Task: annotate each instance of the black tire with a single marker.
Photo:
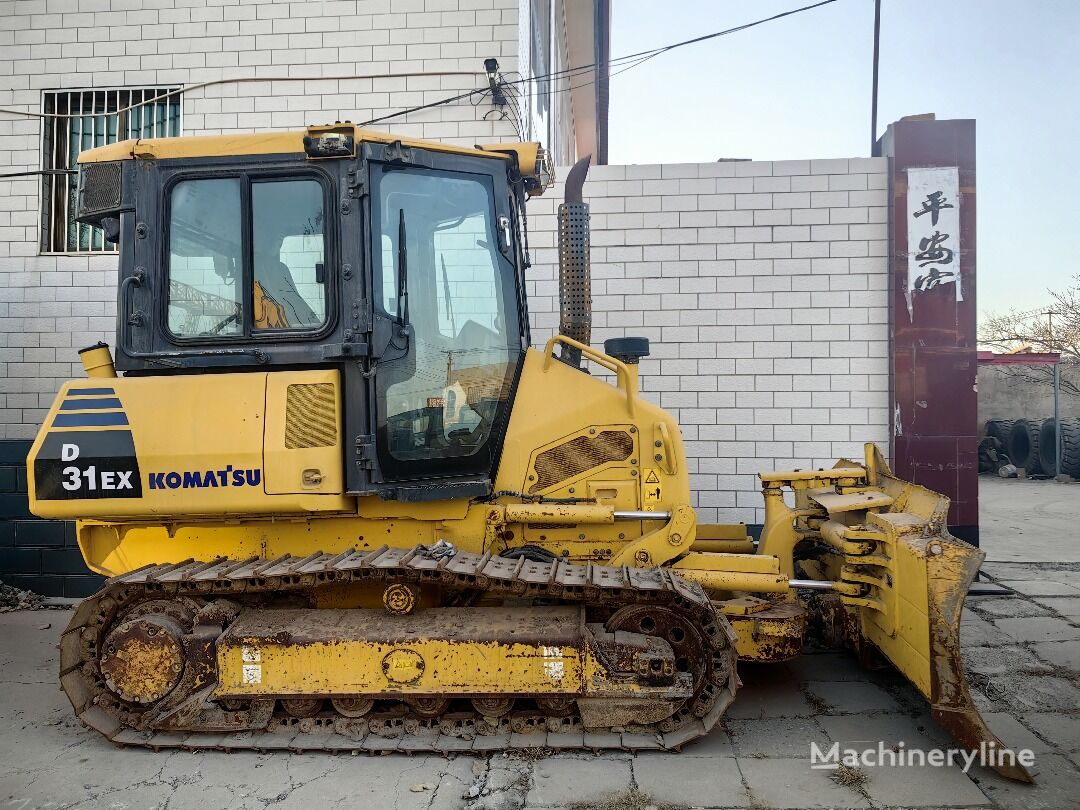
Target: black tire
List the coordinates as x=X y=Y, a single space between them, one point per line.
x=1024 y=445
x=1000 y=429
x=1070 y=447
x=1048 y=446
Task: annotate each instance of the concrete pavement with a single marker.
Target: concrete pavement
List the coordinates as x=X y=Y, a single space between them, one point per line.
x=1022 y=652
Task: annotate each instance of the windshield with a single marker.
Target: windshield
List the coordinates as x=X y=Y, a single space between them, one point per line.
x=443 y=399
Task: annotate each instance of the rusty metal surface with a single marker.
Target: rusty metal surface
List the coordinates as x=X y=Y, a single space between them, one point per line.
x=189 y=719
x=952 y=706
x=143 y=658
x=551 y=625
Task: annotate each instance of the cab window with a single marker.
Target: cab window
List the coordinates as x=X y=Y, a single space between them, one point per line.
x=220 y=286
x=205 y=258
x=288 y=255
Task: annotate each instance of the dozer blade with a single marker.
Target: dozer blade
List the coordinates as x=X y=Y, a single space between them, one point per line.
x=913 y=595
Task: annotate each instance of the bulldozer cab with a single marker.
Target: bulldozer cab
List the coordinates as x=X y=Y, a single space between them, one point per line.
x=397 y=263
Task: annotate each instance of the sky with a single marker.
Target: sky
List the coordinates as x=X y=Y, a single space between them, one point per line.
x=800 y=88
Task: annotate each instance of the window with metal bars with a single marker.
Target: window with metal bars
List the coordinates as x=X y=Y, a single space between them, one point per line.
x=82 y=119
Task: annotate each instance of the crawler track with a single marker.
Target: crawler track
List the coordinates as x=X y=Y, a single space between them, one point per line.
x=190 y=720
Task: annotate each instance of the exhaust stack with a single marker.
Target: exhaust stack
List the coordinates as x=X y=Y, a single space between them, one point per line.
x=575 y=278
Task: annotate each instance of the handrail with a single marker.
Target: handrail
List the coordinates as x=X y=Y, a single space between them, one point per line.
x=623 y=374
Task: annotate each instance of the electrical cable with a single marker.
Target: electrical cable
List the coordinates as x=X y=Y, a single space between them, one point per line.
x=626 y=62
x=652 y=52
x=37 y=172
x=242 y=80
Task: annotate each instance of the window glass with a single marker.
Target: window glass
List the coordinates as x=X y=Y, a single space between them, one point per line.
x=444 y=398
x=288 y=252
x=205 y=258
x=466 y=288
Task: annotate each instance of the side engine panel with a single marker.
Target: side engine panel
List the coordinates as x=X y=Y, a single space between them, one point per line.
x=150 y=448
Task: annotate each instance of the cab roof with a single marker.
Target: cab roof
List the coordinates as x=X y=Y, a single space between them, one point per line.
x=285 y=142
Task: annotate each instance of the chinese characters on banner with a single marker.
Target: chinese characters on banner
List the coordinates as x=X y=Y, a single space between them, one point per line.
x=933 y=212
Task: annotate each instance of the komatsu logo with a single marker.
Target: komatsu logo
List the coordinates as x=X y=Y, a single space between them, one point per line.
x=201 y=479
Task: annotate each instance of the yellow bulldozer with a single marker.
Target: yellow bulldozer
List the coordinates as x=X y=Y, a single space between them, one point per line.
x=344 y=505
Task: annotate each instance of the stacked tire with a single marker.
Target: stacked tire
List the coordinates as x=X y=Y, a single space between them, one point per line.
x=1070 y=446
x=1000 y=429
x=1024 y=446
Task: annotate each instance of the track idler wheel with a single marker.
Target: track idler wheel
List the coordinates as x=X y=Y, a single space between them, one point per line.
x=301 y=707
x=142 y=659
x=691 y=655
x=352 y=707
x=685 y=640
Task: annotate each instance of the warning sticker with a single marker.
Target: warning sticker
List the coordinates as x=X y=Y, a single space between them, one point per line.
x=650 y=488
x=252 y=673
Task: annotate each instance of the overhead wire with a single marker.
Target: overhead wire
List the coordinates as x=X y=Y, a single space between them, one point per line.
x=625 y=63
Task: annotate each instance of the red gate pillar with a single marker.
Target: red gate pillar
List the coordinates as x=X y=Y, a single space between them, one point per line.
x=932 y=278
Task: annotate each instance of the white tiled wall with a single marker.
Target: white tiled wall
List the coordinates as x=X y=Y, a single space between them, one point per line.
x=762 y=288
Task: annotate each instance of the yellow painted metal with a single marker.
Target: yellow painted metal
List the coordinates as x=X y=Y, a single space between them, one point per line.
x=733 y=563
x=313 y=463
x=766 y=632
x=555 y=403
x=462 y=651
x=727 y=581
x=560 y=513
x=847 y=539
x=626 y=376
x=725 y=538
x=335 y=661
x=663 y=448
x=527 y=153
x=213 y=430
x=663 y=544
x=611 y=468
x=848 y=473
x=723 y=546
x=98 y=362
x=722 y=531
x=260 y=143
x=834 y=502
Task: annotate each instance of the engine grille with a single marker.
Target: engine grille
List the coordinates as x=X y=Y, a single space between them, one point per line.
x=578 y=455
x=309 y=416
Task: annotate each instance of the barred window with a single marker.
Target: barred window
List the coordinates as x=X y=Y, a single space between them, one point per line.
x=82 y=119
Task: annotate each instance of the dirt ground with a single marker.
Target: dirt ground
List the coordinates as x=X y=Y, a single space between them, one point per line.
x=1022 y=651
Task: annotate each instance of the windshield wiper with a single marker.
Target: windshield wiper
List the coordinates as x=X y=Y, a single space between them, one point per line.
x=402 y=270
x=446 y=295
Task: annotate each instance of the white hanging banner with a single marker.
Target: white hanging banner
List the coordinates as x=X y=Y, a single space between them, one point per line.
x=933 y=239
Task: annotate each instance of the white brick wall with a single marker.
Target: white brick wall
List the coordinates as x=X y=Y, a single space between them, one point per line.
x=762 y=288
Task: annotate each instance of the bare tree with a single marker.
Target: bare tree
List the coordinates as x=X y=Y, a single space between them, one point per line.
x=1054 y=328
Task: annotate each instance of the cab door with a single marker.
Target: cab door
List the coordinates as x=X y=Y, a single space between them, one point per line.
x=445 y=287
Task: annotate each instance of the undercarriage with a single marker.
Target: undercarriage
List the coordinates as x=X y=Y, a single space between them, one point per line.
x=467 y=652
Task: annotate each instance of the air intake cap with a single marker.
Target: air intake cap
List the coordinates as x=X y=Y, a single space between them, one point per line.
x=629 y=350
